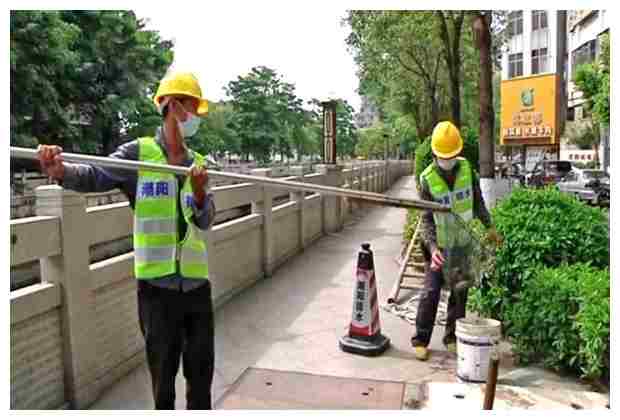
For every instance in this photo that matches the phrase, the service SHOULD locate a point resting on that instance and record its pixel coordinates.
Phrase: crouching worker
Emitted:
(449, 180)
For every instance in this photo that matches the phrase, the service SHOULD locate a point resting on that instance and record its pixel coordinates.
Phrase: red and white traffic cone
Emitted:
(364, 336)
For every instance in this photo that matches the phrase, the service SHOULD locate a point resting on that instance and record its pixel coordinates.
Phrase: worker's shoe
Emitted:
(421, 353)
(451, 347)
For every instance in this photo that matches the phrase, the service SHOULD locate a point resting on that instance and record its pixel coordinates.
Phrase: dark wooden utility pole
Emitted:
(482, 37)
(489, 391)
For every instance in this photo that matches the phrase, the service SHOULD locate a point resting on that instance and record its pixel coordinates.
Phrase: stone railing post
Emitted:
(264, 207)
(364, 177)
(332, 221)
(375, 177)
(300, 198)
(347, 182)
(383, 169)
(71, 272)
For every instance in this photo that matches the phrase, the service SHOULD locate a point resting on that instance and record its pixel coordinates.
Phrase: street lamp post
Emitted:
(329, 131)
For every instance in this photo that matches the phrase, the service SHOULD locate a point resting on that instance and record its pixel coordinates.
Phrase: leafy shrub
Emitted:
(546, 228)
(550, 287)
(592, 322)
(561, 317)
(424, 153)
(489, 300)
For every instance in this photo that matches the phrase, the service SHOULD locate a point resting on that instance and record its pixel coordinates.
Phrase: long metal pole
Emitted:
(24, 153)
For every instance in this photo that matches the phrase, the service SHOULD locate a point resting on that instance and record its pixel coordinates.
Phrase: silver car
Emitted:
(578, 182)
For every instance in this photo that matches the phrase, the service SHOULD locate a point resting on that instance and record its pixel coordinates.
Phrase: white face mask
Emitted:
(189, 127)
(446, 164)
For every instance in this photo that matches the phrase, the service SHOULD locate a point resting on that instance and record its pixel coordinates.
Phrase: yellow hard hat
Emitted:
(182, 84)
(446, 141)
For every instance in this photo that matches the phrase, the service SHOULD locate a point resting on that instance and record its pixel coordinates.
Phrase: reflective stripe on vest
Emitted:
(460, 199)
(157, 246)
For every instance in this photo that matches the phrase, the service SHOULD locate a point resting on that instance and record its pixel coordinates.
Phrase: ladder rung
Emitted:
(415, 264)
(413, 276)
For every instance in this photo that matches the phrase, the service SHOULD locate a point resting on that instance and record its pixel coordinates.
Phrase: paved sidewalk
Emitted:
(293, 320)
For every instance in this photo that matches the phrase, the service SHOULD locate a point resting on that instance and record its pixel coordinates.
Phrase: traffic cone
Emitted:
(364, 336)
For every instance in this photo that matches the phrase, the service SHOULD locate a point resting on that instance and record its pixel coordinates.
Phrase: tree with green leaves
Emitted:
(450, 24)
(41, 54)
(372, 142)
(422, 64)
(122, 64)
(266, 113)
(593, 81)
(400, 68)
(83, 79)
(216, 137)
(306, 139)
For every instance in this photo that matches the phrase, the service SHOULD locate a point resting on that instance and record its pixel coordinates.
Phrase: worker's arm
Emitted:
(92, 178)
(428, 229)
(204, 216)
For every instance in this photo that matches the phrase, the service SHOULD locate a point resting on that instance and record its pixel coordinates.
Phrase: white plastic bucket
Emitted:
(475, 338)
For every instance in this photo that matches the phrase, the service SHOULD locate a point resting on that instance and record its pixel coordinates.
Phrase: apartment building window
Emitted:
(539, 20)
(539, 61)
(515, 65)
(582, 55)
(515, 23)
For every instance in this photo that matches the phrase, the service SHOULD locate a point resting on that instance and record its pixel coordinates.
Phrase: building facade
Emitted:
(584, 31)
(533, 89)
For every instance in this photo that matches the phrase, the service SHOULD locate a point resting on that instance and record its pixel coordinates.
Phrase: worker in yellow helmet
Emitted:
(171, 213)
(450, 180)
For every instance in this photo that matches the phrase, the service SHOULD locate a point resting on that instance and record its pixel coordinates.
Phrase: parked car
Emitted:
(511, 170)
(589, 185)
(548, 172)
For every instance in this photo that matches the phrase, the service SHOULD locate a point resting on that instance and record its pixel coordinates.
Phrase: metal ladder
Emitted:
(412, 266)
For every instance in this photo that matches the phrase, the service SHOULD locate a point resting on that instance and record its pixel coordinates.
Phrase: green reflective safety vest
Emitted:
(460, 199)
(157, 245)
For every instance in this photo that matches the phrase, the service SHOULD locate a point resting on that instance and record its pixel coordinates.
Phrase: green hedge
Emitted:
(550, 272)
(424, 154)
(561, 317)
(548, 228)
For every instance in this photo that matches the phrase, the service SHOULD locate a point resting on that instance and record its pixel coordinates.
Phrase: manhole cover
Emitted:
(272, 389)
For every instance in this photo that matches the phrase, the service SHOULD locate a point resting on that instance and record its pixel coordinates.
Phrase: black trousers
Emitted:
(427, 309)
(178, 323)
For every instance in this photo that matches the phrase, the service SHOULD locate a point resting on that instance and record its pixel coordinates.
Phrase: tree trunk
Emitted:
(455, 99)
(482, 35)
(595, 147)
(452, 55)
